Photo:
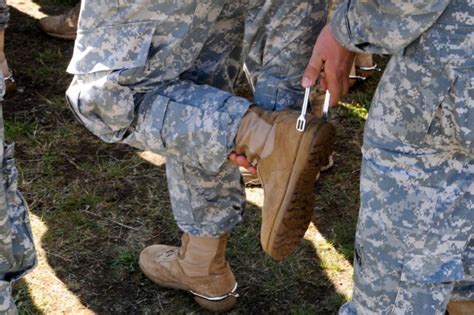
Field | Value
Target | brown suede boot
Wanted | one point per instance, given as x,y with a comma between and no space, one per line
288,162
199,267
62,26
461,307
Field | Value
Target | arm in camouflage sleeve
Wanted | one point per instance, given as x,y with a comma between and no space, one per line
381,26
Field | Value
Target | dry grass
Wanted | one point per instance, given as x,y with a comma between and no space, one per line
94,206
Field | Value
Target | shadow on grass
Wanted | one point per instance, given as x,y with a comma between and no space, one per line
23,299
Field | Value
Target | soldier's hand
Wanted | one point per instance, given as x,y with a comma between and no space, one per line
331,63
241,160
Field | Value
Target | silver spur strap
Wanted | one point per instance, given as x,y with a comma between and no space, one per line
327,98
369,68
232,293
301,121
9,77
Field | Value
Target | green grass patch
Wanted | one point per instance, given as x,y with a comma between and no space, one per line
15,129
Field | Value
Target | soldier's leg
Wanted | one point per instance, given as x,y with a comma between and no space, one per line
409,236
203,203
279,36
462,299
17,252
416,212
168,108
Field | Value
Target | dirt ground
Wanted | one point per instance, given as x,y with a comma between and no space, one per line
95,206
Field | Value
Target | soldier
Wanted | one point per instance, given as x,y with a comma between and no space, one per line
415,236
160,76
17,252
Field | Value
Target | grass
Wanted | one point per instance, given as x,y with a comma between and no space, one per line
95,206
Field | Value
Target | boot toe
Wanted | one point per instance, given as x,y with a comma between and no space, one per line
154,263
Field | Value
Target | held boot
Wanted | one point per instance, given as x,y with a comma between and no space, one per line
288,163
62,26
199,267
461,307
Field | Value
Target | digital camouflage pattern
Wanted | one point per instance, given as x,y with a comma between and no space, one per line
415,235
17,252
4,15
160,76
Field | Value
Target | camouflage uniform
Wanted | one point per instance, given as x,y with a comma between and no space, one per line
4,14
414,239
17,252
159,76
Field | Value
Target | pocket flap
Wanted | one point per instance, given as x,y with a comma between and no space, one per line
425,268
111,48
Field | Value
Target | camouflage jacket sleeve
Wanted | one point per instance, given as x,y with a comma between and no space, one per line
381,26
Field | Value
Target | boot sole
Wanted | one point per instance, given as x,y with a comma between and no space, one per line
64,37
56,35
297,208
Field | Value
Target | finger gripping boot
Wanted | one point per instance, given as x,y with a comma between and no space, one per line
199,267
289,162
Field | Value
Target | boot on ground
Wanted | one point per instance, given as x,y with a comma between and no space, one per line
199,267
288,163
62,26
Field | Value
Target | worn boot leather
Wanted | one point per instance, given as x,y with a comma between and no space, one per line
461,307
288,163
199,267
62,26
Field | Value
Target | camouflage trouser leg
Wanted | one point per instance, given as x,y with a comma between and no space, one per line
17,252
279,38
4,14
181,103
415,231
7,305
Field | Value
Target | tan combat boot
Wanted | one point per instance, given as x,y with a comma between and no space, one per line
288,162
461,307
62,26
199,267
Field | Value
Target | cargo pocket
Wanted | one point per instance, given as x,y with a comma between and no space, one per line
22,255
428,268
434,252
115,47
97,95
405,103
